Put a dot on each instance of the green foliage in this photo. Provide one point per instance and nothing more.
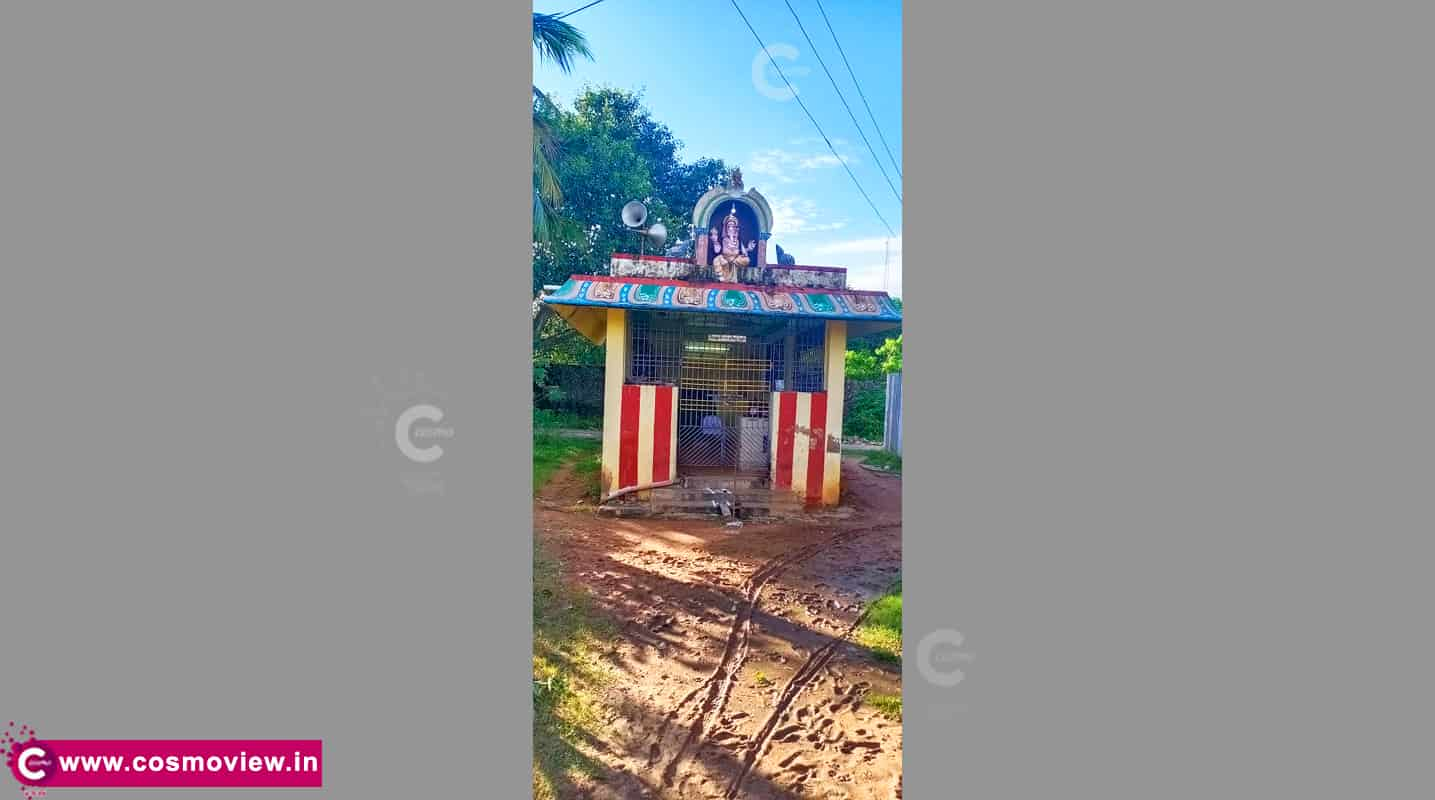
(881, 631)
(869, 358)
(890, 353)
(610, 150)
(551, 451)
(563, 44)
(559, 344)
(862, 365)
(545, 419)
(558, 41)
(569, 673)
(865, 415)
(890, 705)
(882, 459)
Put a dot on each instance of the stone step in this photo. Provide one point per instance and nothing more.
(737, 484)
(675, 495)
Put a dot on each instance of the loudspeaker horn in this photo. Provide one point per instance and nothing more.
(635, 214)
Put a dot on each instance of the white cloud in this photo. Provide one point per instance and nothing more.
(792, 216)
(787, 166)
(875, 244)
(869, 262)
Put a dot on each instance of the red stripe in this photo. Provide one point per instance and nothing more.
(662, 431)
(816, 447)
(628, 438)
(786, 422)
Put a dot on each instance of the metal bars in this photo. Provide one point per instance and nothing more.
(726, 369)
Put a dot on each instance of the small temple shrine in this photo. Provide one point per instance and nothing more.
(722, 367)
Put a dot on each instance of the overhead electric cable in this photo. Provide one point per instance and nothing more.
(860, 94)
(875, 158)
(813, 119)
(576, 10)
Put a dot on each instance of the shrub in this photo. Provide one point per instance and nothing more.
(865, 415)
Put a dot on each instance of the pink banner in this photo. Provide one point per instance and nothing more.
(165, 763)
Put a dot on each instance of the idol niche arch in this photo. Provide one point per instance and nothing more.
(731, 229)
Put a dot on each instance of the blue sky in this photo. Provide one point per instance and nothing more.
(695, 65)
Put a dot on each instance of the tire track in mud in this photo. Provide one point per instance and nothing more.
(718, 684)
(810, 669)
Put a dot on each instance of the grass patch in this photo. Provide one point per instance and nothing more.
(551, 451)
(549, 419)
(881, 631)
(882, 459)
(588, 468)
(889, 704)
(569, 640)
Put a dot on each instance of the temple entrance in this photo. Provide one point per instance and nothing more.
(726, 368)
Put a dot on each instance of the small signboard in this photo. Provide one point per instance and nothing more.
(726, 337)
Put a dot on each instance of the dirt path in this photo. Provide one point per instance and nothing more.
(733, 677)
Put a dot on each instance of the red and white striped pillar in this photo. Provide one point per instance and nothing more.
(807, 431)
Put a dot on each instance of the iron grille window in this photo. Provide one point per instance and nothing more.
(726, 368)
(655, 348)
(810, 360)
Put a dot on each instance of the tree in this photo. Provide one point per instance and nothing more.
(613, 151)
(890, 355)
(561, 43)
(862, 365)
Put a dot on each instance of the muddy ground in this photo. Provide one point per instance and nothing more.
(731, 673)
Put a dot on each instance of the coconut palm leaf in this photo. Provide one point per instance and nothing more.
(559, 42)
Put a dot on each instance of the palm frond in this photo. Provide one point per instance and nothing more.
(545, 176)
(541, 228)
(559, 42)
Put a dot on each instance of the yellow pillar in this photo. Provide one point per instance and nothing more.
(836, 373)
(614, 373)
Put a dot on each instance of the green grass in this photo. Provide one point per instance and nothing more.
(569, 640)
(568, 671)
(546, 418)
(889, 704)
(881, 632)
(551, 451)
(884, 460)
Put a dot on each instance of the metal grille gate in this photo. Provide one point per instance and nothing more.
(726, 370)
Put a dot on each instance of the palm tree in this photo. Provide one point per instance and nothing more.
(561, 43)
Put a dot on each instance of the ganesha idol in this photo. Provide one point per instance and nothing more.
(732, 254)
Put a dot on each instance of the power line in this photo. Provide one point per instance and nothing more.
(870, 115)
(875, 159)
(576, 10)
(813, 119)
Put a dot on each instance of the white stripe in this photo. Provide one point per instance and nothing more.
(801, 440)
(645, 434)
(774, 412)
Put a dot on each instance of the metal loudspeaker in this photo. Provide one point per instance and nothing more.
(635, 214)
(657, 235)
